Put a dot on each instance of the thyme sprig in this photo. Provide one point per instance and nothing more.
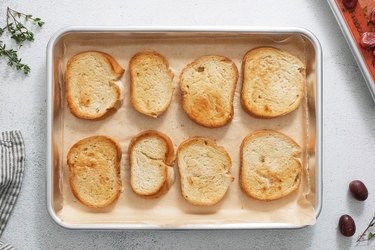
(13, 59)
(367, 236)
(15, 26)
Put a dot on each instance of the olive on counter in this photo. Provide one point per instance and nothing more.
(358, 190)
(347, 225)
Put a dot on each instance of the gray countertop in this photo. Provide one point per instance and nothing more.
(348, 121)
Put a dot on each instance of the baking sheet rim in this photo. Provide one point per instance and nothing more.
(160, 29)
(353, 47)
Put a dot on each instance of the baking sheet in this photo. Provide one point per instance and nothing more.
(171, 210)
(353, 24)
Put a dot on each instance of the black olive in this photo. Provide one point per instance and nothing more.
(350, 4)
(359, 190)
(347, 225)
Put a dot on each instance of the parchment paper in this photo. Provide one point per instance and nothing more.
(171, 210)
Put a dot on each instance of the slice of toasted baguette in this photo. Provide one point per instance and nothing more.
(270, 167)
(273, 82)
(204, 171)
(207, 88)
(151, 83)
(151, 156)
(94, 165)
(91, 90)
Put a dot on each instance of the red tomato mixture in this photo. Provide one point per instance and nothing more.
(360, 19)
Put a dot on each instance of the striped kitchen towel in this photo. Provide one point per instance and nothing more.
(5, 246)
(12, 165)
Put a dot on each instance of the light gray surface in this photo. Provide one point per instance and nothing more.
(349, 123)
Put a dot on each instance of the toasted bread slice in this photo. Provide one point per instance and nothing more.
(207, 87)
(273, 82)
(91, 90)
(151, 83)
(204, 171)
(270, 167)
(94, 165)
(151, 156)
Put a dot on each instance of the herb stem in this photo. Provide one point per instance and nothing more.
(14, 19)
(8, 19)
(371, 224)
(21, 14)
(11, 13)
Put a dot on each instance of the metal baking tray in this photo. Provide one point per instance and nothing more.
(352, 37)
(180, 45)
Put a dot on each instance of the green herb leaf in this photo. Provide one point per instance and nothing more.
(26, 69)
(40, 23)
(371, 236)
(20, 33)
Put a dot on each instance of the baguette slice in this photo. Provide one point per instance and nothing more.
(273, 82)
(91, 90)
(204, 171)
(270, 167)
(94, 165)
(207, 87)
(151, 83)
(151, 156)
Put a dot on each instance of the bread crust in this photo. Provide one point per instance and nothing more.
(70, 162)
(201, 115)
(266, 111)
(247, 187)
(133, 99)
(169, 160)
(117, 69)
(208, 142)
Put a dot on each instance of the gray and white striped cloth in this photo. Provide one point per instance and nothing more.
(6, 246)
(12, 166)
